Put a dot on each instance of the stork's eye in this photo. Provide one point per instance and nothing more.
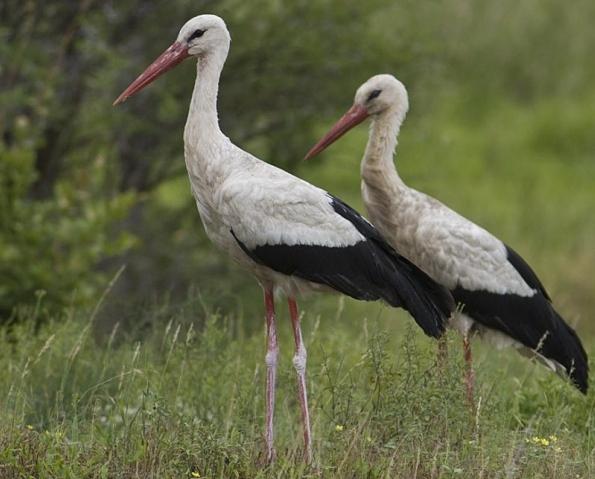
(374, 94)
(197, 34)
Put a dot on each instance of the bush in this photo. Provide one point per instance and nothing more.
(53, 245)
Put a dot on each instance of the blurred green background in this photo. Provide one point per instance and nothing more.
(501, 128)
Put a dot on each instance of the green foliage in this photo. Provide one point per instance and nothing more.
(188, 399)
(53, 245)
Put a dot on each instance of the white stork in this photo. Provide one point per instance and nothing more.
(501, 297)
(293, 236)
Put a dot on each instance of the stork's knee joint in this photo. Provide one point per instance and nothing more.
(299, 360)
(271, 357)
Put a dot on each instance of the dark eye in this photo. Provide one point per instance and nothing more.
(374, 94)
(197, 34)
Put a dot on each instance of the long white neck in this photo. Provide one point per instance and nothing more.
(378, 168)
(390, 203)
(202, 126)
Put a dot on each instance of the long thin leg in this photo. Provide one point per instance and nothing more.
(469, 373)
(299, 363)
(271, 364)
(442, 356)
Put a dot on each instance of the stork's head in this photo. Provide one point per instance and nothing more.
(381, 93)
(200, 37)
(380, 96)
(204, 34)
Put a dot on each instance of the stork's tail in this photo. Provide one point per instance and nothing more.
(565, 348)
(533, 322)
(430, 304)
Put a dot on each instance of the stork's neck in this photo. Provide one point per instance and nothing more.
(202, 126)
(378, 167)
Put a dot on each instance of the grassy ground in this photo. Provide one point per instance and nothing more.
(187, 401)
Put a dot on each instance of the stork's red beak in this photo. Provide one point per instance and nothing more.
(353, 117)
(164, 62)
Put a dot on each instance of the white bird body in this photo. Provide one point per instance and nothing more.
(447, 246)
(293, 236)
(502, 299)
(264, 205)
(260, 202)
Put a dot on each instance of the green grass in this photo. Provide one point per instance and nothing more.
(185, 396)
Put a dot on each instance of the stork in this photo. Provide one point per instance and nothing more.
(501, 297)
(292, 236)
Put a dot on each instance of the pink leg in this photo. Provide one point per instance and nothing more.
(299, 363)
(469, 373)
(271, 364)
(442, 352)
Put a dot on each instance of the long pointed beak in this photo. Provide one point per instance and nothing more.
(164, 62)
(353, 117)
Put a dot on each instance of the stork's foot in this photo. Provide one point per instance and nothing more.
(271, 367)
(469, 374)
(442, 353)
(307, 454)
(299, 363)
(267, 457)
(470, 387)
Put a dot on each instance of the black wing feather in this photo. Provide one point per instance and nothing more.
(531, 320)
(526, 271)
(368, 270)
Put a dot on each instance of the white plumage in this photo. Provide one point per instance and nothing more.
(452, 249)
(282, 209)
(291, 235)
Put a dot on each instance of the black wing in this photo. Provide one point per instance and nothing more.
(368, 270)
(531, 320)
(525, 271)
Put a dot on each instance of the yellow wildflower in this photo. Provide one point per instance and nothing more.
(339, 427)
(541, 441)
(553, 438)
(195, 474)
